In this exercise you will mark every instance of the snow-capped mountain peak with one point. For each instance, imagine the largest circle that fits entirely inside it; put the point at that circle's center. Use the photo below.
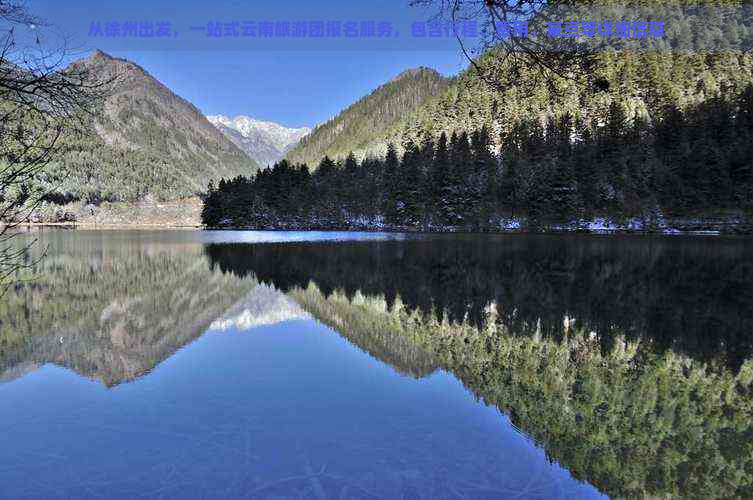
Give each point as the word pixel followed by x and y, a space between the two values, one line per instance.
pixel 265 142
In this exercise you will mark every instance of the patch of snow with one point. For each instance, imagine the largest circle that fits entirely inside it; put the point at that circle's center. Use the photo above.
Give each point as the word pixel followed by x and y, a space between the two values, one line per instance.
pixel 600 225
pixel 512 224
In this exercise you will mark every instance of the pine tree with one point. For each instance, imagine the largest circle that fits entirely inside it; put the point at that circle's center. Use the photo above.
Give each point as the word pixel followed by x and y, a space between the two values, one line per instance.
pixel 438 178
pixel 410 202
pixel 585 165
pixel 486 179
pixel 426 161
pixel 350 186
pixel 211 210
pixel 639 199
pixel 673 150
pixel 612 157
pixel 391 186
pixel 741 168
pixel 511 158
pixel 456 194
pixel 324 184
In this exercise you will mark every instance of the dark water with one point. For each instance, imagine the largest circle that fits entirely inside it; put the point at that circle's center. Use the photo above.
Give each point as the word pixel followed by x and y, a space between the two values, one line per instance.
pixel 325 365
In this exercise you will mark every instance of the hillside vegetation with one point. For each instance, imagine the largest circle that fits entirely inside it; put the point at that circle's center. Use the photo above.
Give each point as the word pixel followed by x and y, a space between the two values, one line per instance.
pixel 642 82
pixel 632 423
pixel 654 141
pixel 365 125
pixel 145 140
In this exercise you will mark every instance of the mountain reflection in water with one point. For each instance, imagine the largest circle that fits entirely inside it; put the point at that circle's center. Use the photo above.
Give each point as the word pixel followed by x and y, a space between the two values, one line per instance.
pixel 627 360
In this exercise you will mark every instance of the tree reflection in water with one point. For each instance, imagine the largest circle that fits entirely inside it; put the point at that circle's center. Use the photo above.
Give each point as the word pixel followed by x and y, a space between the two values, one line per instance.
pixel 627 359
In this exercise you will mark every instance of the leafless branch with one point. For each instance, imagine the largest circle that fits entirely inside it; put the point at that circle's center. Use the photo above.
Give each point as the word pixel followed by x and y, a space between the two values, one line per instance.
pixel 544 59
pixel 41 99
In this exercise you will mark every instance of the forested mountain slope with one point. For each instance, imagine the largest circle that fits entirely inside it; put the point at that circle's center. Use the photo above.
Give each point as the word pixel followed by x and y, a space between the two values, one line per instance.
pixel 146 141
pixel 656 141
pixel 364 126
pixel 646 82
pixel 643 82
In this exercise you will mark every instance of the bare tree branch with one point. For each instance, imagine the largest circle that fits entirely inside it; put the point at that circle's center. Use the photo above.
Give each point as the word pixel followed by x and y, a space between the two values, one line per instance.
pixel 544 59
pixel 41 99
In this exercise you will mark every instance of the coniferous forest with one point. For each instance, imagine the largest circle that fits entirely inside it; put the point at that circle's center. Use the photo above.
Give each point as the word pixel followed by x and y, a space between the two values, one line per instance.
pixel 550 172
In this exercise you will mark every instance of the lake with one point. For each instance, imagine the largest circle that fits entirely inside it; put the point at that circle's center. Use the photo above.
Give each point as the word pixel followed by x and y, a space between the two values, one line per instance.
pixel 200 364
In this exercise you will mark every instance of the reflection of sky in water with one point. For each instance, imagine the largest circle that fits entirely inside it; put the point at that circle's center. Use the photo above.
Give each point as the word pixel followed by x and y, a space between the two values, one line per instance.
pixel 286 410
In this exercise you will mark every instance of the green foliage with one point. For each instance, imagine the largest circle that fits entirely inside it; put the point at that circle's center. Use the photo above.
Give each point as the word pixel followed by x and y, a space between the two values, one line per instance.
pixel 567 170
pixel 596 348
pixel 377 334
pixel 143 140
pixel 364 126
pixel 646 81
pixel 635 288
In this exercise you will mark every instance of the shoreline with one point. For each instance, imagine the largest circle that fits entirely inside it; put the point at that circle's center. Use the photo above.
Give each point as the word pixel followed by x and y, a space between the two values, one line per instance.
pixel 88 226
pixel 92 225
pixel 697 226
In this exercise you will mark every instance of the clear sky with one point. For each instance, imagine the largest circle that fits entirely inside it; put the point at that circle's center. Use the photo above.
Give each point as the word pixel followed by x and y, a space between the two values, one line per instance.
pixel 296 82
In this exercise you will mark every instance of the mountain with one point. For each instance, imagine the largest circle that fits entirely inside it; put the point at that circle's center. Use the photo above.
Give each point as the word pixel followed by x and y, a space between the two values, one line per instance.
pixel 145 141
pixel 265 142
pixel 643 82
pixel 364 126
pixel 421 103
pixel 649 141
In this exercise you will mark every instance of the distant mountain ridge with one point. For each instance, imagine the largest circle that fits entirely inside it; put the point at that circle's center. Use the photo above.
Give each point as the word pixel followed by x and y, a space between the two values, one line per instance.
pixel 146 141
pixel 365 126
pixel 265 142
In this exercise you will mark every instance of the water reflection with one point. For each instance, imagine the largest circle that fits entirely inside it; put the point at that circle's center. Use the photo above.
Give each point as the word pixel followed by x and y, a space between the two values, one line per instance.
pixel 626 360
pixel 693 296
pixel 266 403
pixel 107 310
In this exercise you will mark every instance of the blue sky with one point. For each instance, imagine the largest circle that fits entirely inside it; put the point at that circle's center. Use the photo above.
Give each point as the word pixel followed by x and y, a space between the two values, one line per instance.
pixel 296 82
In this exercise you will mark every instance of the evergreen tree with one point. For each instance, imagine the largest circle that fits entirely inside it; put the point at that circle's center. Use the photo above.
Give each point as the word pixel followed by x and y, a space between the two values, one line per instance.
pixel 391 186
pixel 410 202
pixel 673 150
pixel 426 162
pixel 351 188
pixel 324 183
pixel 456 197
pixel 612 180
pixel 486 179
pixel 438 178
pixel 680 163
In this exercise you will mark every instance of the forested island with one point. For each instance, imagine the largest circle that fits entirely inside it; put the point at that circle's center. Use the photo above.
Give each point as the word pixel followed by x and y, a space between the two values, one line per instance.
pixel 685 168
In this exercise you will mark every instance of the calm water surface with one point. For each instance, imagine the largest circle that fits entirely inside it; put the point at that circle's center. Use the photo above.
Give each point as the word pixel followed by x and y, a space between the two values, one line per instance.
pixel 187 364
